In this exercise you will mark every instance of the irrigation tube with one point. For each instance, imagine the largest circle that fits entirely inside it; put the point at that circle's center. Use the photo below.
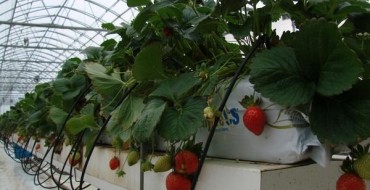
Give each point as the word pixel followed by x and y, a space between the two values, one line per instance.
pixel 57 140
pixel 100 132
pixel 259 42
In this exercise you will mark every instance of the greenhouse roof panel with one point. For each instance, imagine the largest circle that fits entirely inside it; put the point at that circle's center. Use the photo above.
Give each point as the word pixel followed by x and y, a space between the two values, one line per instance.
pixel 37 36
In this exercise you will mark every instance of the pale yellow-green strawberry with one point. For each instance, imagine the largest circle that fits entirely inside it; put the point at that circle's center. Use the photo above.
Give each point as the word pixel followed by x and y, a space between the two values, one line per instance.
pixel 133 157
pixel 361 160
pixel 146 165
pixel 164 163
pixel 362 166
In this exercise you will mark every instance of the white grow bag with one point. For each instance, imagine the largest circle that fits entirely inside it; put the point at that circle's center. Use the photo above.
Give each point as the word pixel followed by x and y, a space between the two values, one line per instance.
pixel 287 138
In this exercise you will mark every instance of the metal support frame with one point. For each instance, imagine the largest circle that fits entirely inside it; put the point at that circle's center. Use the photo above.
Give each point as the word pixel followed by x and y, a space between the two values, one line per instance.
pixel 38 47
pixel 37 71
pixel 52 26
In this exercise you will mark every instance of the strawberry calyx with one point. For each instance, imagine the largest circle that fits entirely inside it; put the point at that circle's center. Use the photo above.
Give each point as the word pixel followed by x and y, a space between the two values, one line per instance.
pixel 359 151
pixel 249 101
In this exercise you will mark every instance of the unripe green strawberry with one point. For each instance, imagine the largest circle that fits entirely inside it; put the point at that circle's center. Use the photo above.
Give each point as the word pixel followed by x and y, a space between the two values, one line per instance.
pixel 350 181
pixel 362 166
pixel 164 163
pixel 208 113
pixel 146 166
pixel 133 157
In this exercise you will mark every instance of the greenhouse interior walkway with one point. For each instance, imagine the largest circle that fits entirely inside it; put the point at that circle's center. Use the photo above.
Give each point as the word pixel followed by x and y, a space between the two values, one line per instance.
pixel 13 177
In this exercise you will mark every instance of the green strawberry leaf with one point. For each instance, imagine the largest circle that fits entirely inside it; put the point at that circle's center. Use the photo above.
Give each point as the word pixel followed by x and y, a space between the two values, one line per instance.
pixel 136 3
pixel 231 5
pixel 93 53
pixel 149 12
pixel 77 124
pixel 57 115
pixel 108 45
pixel 343 118
pixel 69 87
pixel 176 88
pixel 179 123
pixel 145 125
pixel 319 63
pixel 108 26
pixel 68 67
pixel 89 139
pixel 110 87
pixel 125 115
pixel 276 74
pixel 148 63
pixel 361 47
pixel 325 59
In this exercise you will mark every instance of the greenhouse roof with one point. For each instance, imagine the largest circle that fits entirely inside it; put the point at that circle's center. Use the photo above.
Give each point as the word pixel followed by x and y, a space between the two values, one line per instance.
pixel 37 36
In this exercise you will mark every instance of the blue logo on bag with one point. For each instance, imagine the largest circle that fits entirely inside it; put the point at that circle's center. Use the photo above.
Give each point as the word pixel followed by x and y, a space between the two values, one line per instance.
pixel 230 119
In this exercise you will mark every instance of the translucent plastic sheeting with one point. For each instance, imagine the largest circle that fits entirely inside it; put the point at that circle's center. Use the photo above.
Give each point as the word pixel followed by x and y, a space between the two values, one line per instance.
pixel 37 36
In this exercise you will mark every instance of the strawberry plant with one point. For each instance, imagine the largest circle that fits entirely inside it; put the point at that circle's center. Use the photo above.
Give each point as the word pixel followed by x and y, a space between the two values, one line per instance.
pixel 175 54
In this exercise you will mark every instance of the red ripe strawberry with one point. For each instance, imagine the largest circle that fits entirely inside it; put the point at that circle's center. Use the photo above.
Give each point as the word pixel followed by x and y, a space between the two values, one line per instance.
pixel 74 158
pixel 350 181
pixel 167 31
pixel 176 181
pixel 186 162
pixel 37 146
pixel 114 163
pixel 254 119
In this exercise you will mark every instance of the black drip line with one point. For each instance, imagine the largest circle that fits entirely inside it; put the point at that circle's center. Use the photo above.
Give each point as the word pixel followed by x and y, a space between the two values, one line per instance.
pixel 258 43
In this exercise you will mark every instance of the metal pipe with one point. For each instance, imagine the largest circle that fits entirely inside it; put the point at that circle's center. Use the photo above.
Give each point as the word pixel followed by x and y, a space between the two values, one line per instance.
pixel 52 26
pixel 38 47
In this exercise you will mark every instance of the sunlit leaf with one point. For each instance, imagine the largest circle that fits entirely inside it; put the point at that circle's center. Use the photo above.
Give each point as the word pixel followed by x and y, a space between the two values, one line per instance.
pixel 125 115
pixel 148 63
pixel 145 125
pixel 179 123
pixel 110 87
pixel 175 88
pixel 57 115
pixel 69 87
pixel 77 124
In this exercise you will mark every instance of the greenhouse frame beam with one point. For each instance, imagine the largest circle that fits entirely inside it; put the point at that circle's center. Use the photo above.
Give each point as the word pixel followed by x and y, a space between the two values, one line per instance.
pixel 30 77
pixel 13 83
pixel 37 71
pixel 38 47
pixel 31 61
pixel 53 26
